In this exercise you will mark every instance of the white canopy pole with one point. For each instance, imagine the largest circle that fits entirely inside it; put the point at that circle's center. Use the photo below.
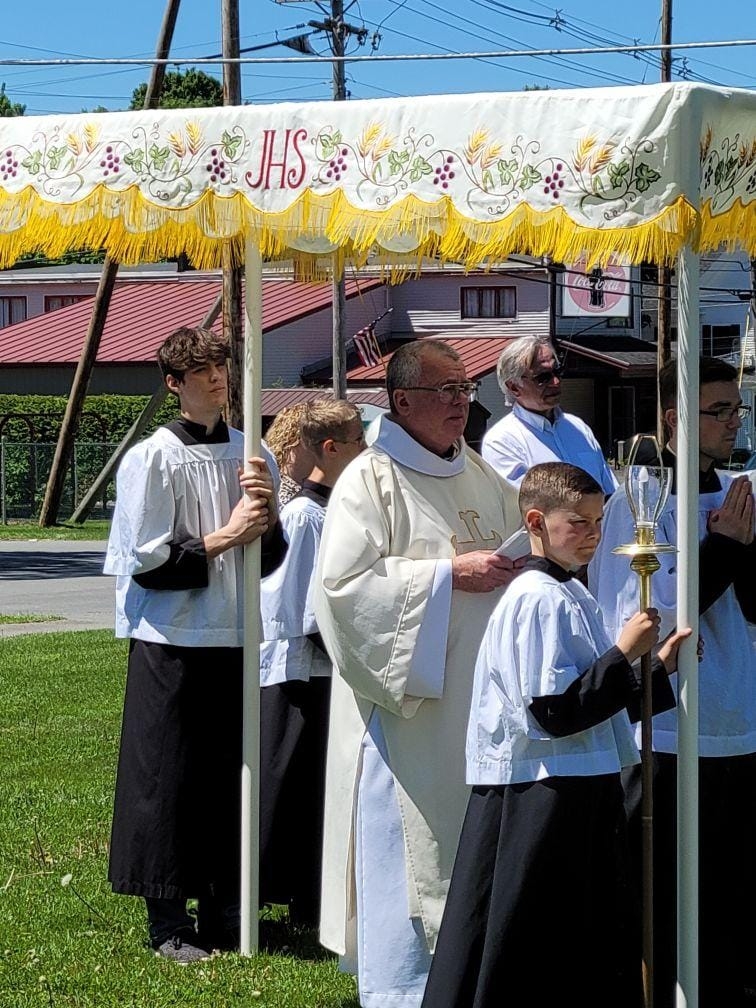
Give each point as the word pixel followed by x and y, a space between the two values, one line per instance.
pixel 687 615
pixel 250 783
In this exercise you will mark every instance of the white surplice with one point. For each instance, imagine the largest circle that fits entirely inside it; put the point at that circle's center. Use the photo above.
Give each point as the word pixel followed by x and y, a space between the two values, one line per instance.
pixel 727 670
pixel 286 600
pixel 404 645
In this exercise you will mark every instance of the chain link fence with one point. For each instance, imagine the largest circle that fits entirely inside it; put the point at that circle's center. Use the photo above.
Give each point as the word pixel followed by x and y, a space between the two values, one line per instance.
pixel 24 469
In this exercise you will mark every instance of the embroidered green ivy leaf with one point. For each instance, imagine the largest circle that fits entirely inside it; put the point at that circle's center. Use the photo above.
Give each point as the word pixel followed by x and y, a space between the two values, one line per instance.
pixel 135 159
pixel 420 167
pixel 397 160
pixel 645 176
pixel 55 157
pixel 158 156
pixel 529 177
pixel 33 162
pixel 329 142
pixel 230 144
pixel 507 170
pixel 618 174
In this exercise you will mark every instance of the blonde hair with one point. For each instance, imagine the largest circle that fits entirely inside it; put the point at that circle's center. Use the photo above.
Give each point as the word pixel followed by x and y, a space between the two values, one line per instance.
pixel 327 418
pixel 285 433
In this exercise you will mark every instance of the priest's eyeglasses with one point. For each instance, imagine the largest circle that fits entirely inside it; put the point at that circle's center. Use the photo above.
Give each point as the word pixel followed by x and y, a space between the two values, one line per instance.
pixel 450 391
pixel 726 413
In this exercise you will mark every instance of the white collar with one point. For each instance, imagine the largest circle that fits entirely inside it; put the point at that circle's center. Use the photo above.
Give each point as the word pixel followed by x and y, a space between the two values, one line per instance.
pixel 537 420
pixel 404 449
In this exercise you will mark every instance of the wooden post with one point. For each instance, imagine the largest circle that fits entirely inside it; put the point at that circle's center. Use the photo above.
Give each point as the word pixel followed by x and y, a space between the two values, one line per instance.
pixel 72 417
pixel 338 292
pixel 232 275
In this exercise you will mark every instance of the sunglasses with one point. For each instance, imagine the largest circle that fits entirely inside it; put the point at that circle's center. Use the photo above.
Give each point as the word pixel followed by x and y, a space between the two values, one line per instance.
pixel 544 378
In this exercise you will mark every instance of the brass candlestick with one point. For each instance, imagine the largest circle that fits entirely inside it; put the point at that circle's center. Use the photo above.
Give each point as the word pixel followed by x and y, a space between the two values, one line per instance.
pixel 647 488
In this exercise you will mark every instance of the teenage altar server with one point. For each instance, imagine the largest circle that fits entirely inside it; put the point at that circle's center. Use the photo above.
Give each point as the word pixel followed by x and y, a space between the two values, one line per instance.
pixel 537 911
pixel 183 510
pixel 295 673
pixel 727 695
pixel 407 580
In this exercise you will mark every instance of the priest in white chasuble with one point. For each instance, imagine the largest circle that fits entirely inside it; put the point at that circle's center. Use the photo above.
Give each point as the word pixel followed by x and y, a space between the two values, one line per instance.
pixel 408 576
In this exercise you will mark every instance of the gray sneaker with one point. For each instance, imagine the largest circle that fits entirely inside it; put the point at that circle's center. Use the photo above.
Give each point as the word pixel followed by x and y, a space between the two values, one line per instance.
pixel 179 950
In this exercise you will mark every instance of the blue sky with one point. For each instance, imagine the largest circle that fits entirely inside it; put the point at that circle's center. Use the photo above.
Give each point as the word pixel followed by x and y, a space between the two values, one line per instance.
pixel 52 29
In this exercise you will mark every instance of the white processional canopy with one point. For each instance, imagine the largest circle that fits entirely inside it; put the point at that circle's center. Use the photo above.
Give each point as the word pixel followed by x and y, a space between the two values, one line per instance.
pixel 651 173
pixel 637 172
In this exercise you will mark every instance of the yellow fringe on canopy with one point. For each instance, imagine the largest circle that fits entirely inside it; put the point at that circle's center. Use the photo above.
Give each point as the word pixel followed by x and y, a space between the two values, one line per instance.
pixel 133 229
pixel 733 229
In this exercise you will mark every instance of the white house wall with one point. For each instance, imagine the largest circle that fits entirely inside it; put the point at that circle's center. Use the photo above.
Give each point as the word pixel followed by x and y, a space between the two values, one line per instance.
pixel 432 305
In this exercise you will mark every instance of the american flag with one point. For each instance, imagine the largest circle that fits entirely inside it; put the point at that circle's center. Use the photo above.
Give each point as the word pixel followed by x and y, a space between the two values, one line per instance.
pixel 366 345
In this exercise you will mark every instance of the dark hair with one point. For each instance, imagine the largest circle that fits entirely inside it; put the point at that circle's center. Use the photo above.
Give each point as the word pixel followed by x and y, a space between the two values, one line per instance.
pixel 190 347
pixel 711 369
pixel 552 485
pixel 406 364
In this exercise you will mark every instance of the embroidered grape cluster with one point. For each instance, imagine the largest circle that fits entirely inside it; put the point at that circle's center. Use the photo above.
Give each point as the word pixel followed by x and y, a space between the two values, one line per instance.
pixel 9 165
pixel 216 167
pixel 110 163
pixel 337 165
pixel 750 184
pixel 444 172
pixel 708 173
pixel 554 182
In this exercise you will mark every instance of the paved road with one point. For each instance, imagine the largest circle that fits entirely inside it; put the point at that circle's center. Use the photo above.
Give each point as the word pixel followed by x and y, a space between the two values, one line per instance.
pixel 55 578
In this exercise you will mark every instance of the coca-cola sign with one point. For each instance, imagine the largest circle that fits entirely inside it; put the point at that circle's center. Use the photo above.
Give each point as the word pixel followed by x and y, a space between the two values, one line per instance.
pixel 600 292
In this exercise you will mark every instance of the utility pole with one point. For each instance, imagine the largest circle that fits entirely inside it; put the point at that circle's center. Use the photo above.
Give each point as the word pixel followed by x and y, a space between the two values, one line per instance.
pixel 64 448
pixel 339 31
pixel 232 275
pixel 664 277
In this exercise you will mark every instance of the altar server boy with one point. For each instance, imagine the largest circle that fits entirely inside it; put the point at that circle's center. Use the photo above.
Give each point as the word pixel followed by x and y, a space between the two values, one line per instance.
pixel 295 673
pixel 537 906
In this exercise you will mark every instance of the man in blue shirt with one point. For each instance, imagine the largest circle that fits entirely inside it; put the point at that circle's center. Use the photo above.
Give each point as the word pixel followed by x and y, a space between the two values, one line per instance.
pixel 537 430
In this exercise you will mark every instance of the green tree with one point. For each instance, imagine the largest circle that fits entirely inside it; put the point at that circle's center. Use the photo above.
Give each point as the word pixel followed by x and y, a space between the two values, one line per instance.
pixel 7 107
pixel 193 89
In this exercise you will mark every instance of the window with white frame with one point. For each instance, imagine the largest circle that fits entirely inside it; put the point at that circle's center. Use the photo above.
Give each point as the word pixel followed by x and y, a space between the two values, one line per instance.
pixel 488 302
pixel 12 309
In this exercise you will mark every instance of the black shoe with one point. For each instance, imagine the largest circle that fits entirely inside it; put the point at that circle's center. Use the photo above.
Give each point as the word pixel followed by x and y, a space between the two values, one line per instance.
pixel 222 941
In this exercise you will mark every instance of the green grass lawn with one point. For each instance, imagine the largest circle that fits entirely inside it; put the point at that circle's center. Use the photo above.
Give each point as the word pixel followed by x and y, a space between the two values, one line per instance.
pixel 12 618
pixel 76 945
pixel 90 530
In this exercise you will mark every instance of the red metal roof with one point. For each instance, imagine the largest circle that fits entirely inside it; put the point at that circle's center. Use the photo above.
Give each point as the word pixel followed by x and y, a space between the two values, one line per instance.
pixel 274 400
pixel 479 354
pixel 143 313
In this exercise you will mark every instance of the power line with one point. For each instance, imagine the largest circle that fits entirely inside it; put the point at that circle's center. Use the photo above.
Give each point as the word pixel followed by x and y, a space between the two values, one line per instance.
pixel 390 58
pixel 562 62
